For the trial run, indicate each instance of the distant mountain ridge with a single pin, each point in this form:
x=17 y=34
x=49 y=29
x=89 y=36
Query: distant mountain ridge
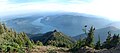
x=69 y=23
x=103 y=33
x=115 y=24
x=74 y=22
x=23 y=25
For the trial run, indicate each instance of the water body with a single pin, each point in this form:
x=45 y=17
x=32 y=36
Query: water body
x=45 y=28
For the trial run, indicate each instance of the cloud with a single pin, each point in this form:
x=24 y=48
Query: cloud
x=106 y=8
x=3 y=2
x=79 y=1
x=46 y=5
x=48 y=1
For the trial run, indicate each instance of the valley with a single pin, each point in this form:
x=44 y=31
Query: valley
x=59 y=32
x=62 y=21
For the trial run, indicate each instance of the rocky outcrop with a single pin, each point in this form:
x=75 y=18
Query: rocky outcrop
x=87 y=49
x=112 y=50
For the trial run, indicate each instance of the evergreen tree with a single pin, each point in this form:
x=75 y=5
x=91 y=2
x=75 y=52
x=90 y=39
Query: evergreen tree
x=90 y=38
x=32 y=42
x=111 y=41
x=1 y=28
x=11 y=41
x=98 y=44
x=107 y=43
x=79 y=43
x=5 y=28
x=39 y=43
x=84 y=30
x=115 y=40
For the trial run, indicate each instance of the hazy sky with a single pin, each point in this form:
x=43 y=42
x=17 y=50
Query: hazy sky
x=105 y=8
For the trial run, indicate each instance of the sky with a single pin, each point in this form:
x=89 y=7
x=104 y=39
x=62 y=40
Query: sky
x=109 y=9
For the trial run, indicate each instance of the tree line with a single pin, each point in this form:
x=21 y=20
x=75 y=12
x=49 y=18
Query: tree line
x=110 y=42
x=11 y=41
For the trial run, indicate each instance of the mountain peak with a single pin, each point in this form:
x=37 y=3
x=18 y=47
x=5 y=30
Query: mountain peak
x=112 y=28
x=55 y=31
x=55 y=38
x=115 y=24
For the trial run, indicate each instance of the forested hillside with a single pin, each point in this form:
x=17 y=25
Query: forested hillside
x=55 y=41
x=55 y=38
x=11 y=41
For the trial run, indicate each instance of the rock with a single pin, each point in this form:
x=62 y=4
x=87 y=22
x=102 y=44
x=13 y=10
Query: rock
x=112 y=50
x=86 y=49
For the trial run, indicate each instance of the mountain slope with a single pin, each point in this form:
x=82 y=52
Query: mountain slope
x=23 y=24
x=69 y=23
x=11 y=41
x=115 y=24
x=73 y=24
x=103 y=33
x=55 y=38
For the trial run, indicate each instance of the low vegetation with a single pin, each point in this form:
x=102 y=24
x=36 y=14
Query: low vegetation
x=11 y=41
x=52 y=42
x=111 y=41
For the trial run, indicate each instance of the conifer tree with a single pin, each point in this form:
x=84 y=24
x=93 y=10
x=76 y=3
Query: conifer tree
x=79 y=43
x=115 y=40
x=39 y=43
x=98 y=44
x=11 y=41
x=107 y=43
x=90 y=38
x=1 y=28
